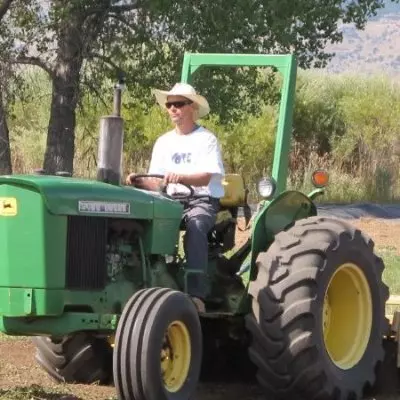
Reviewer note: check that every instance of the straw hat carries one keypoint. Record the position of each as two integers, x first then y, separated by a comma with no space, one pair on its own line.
185,90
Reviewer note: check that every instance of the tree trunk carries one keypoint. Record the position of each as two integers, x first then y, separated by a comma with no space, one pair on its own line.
75,38
60,147
5,153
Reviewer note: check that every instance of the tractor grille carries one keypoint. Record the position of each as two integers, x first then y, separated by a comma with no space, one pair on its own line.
86,253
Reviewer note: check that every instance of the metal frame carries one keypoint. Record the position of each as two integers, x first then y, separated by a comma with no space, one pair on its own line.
287,66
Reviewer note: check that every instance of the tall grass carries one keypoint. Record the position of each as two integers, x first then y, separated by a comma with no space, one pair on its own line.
344,123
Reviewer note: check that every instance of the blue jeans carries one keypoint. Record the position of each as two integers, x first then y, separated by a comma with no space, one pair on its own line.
199,218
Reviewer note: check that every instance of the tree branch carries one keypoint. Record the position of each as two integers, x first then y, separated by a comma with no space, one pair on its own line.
33,61
107,60
4,6
125,7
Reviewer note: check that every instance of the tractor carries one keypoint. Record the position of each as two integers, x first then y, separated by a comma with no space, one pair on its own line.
91,270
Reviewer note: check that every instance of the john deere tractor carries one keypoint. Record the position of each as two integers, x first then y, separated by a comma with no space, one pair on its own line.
93,271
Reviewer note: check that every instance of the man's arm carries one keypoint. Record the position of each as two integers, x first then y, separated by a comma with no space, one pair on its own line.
152,184
199,179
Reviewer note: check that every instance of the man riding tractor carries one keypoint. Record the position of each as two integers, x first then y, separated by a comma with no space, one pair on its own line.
189,155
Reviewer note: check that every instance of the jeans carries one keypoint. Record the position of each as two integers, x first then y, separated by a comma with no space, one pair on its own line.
199,218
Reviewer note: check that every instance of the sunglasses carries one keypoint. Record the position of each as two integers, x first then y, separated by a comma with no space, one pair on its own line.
177,104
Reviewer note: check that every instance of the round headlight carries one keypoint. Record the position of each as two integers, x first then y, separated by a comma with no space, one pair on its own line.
266,187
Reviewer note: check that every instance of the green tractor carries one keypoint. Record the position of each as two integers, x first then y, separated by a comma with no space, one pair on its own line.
92,271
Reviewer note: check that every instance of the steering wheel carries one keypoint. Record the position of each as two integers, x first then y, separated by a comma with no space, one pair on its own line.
163,188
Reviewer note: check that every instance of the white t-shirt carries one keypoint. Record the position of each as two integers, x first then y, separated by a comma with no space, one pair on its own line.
195,152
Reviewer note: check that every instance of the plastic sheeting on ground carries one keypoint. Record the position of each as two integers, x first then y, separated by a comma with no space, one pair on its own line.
361,210
389,212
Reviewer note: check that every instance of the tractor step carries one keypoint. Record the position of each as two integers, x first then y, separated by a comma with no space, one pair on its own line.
217,314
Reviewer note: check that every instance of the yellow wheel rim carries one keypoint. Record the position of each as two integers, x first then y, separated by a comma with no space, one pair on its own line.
347,316
175,356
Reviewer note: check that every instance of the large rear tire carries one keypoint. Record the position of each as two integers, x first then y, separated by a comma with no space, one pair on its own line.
318,312
79,358
158,347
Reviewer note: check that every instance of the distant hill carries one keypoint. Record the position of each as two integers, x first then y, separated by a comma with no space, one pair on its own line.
376,49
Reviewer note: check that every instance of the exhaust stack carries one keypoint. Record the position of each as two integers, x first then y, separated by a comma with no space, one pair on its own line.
109,167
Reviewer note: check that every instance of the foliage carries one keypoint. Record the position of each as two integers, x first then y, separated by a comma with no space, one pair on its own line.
146,40
248,26
5,73
342,123
81,42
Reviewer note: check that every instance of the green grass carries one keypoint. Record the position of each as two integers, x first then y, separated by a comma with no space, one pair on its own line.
341,123
391,274
4,337
34,392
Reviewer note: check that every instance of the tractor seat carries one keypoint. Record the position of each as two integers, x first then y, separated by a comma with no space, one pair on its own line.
222,236
234,197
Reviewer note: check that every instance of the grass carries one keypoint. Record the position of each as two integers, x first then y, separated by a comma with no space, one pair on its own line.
391,275
34,392
345,124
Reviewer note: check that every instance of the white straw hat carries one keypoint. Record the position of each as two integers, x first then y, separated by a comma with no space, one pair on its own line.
185,90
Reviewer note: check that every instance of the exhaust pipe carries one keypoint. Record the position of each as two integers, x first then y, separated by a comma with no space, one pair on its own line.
109,166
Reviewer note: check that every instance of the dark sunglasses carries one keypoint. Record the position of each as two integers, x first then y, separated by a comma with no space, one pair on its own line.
177,104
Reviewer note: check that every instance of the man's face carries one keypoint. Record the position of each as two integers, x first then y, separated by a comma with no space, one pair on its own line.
180,113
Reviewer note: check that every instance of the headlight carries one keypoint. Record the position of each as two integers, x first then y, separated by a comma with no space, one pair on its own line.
266,187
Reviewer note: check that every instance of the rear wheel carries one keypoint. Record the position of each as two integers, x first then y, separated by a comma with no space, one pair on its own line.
158,347
318,315
79,358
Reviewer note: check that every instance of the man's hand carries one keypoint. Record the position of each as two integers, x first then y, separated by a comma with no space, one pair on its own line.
139,183
129,178
143,183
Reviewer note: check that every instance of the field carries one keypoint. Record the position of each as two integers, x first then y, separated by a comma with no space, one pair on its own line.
22,379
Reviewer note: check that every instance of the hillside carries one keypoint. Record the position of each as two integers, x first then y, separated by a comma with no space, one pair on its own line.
376,49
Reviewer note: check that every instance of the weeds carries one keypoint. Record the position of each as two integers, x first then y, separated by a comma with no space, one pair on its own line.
35,392
345,124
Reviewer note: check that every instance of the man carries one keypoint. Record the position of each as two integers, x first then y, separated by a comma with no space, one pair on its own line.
189,154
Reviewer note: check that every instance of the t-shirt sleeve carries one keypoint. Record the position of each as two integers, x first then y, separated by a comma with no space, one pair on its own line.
157,160
213,159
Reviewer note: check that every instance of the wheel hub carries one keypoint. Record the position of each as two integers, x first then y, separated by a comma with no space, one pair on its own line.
347,316
175,356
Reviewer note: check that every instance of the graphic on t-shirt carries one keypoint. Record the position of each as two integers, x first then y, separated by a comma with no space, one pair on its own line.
177,158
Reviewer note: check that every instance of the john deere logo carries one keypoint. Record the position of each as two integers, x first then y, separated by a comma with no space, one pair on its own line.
8,206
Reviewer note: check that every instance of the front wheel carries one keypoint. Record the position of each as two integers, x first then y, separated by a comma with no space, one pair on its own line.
318,312
158,347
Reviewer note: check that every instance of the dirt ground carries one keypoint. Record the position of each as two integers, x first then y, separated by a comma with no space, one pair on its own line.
19,372
385,233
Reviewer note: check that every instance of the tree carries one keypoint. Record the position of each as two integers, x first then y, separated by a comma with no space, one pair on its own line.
5,153
82,41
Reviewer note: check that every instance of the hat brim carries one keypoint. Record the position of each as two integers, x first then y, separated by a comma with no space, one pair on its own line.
203,106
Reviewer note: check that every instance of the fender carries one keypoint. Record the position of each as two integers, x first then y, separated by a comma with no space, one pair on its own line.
274,217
